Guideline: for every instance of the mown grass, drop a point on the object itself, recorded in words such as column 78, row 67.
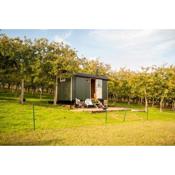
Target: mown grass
column 58, row 125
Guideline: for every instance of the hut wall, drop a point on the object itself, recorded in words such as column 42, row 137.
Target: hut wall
column 82, row 88
column 64, row 90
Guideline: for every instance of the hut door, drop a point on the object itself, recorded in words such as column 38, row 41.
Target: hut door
column 92, row 88
column 99, row 88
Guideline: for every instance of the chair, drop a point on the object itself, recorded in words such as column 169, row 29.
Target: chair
column 78, row 103
column 88, row 103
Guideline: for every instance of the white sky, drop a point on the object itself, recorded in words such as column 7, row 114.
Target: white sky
column 136, row 48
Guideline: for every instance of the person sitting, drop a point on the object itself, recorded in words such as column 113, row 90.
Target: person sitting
column 100, row 104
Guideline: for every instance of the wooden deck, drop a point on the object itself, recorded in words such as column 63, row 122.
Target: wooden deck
column 96, row 110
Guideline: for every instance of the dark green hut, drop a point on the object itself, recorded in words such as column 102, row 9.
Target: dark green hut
column 82, row 86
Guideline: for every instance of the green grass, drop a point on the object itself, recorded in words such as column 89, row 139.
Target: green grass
column 58, row 125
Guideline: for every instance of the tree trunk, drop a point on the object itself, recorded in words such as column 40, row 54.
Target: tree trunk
column 173, row 105
column 146, row 104
column 33, row 90
column 129, row 102
column 153, row 102
column 22, row 92
column 161, row 104
column 3, row 86
column 41, row 93
column 12, row 88
column 9, row 86
column 28, row 90
column 146, row 101
column 56, row 91
column 16, row 89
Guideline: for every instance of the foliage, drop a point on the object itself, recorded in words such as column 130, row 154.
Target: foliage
column 153, row 85
column 36, row 66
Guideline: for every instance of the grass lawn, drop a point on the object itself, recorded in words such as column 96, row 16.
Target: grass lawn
column 58, row 125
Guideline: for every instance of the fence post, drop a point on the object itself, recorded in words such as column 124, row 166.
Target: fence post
column 33, row 117
column 106, row 116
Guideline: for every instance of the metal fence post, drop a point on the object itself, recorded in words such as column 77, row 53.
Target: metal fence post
column 106, row 116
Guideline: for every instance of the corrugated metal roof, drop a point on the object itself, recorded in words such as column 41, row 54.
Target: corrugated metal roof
column 91, row 76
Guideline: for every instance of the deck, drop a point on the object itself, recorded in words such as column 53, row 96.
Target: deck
column 96, row 110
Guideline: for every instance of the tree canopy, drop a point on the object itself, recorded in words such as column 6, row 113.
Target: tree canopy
column 35, row 66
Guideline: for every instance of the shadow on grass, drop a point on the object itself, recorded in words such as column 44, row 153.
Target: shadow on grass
column 7, row 98
column 43, row 104
column 35, row 142
column 37, row 102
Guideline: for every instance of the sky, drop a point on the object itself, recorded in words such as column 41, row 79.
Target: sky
column 131, row 49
